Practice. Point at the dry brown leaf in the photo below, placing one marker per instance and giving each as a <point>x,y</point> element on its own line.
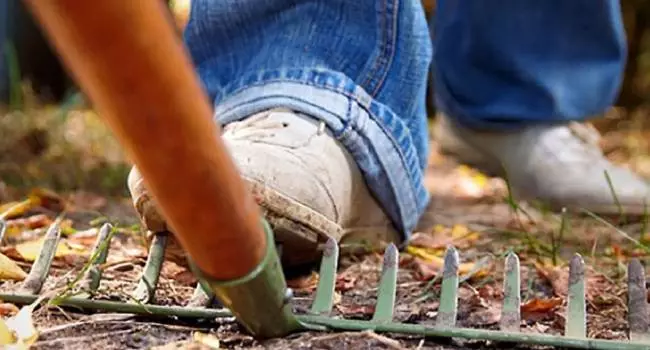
<point>345,282</point>
<point>45,198</point>
<point>357,310</point>
<point>535,308</point>
<point>557,276</point>
<point>85,237</point>
<point>440,237</point>
<point>8,309</point>
<point>17,226</point>
<point>178,273</point>
<point>304,283</point>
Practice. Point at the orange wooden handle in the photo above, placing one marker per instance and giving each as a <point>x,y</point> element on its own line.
<point>128,59</point>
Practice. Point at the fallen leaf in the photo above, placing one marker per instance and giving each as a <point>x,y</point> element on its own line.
<point>6,335</point>
<point>209,340</point>
<point>20,328</point>
<point>8,309</point>
<point>9,270</point>
<point>345,282</point>
<point>178,273</point>
<point>441,237</point>
<point>15,209</point>
<point>29,251</point>
<point>485,316</point>
<point>429,265</point>
<point>539,308</point>
<point>471,183</point>
<point>356,310</point>
<point>85,237</point>
<point>48,199</point>
<point>16,226</point>
<point>304,283</point>
<point>557,276</point>
<point>427,240</point>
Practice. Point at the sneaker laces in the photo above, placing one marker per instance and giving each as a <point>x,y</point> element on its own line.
<point>256,127</point>
<point>261,128</point>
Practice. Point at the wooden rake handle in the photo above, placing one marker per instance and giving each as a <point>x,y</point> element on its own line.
<point>128,59</point>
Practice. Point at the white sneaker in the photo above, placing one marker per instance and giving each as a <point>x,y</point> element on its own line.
<point>560,165</point>
<point>307,184</point>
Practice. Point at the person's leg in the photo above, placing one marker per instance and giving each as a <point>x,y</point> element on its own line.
<point>323,108</point>
<point>511,78</point>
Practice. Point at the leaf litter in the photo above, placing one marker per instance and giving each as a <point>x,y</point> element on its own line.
<point>468,210</point>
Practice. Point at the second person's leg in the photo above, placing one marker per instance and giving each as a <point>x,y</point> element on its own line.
<point>512,76</point>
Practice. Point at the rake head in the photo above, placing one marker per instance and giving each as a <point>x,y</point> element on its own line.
<point>319,316</point>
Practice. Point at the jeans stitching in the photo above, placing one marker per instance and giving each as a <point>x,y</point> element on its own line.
<point>377,74</point>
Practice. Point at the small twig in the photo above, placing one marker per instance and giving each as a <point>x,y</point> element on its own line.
<point>644,223</point>
<point>619,231</point>
<point>621,212</point>
<point>556,242</point>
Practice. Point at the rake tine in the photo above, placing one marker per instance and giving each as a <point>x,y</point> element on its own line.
<point>510,315</point>
<point>387,286</point>
<point>200,298</point>
<point>576,324</point>
<point>146,288</point>
<point>637,302</point>
<point>3,230</point>
<point>38,273</point>
<point>324,298</point>
<point>90,281</point>
<point>447,311</point>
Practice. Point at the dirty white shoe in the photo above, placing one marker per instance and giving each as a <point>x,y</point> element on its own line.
<point>559,164</point>
<point>307,184</point>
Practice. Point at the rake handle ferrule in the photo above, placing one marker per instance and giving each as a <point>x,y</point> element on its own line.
<point>258,300</point>
<point>129,60</point>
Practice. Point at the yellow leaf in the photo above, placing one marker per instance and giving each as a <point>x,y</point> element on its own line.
<point>29,250</point>
<point>437,261</point>
<point>22,324</point>
<point>6,335</point>
<point>13,209</point>
<point>9,270</point>
<point>208,340</point>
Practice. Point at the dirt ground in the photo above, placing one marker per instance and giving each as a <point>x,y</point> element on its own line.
<point>468,210</point>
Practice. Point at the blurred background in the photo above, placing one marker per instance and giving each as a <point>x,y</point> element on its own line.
<point>50,137</point>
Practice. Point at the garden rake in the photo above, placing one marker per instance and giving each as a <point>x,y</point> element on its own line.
<point>127,57</point>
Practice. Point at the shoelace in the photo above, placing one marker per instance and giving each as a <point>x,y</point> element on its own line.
<point>259,126</point>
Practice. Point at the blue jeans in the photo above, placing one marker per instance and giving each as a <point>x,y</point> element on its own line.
<point>362,68</point>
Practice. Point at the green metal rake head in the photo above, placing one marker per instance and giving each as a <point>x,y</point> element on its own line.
<point>319,316</point>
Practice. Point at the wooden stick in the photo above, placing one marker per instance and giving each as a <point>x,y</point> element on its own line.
<point>128,59</point>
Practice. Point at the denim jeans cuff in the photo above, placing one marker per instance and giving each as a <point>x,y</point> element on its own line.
<point>376,138</point>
